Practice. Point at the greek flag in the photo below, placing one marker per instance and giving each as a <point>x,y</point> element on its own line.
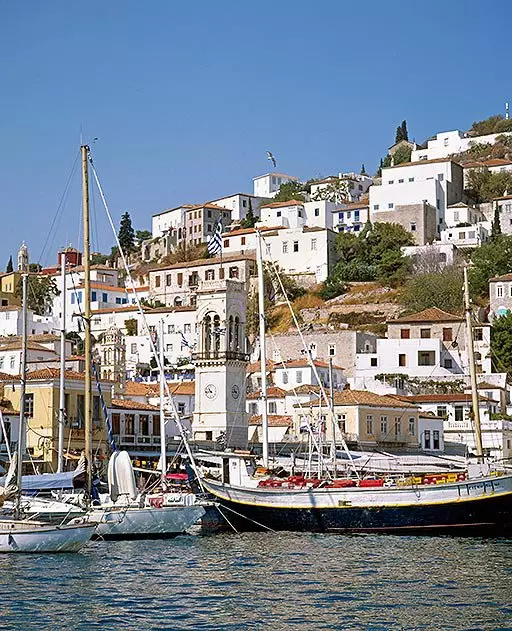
<point>215,242</point>
<point>184,341</point>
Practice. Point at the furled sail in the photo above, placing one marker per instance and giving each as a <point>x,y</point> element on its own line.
<point>121,478</point>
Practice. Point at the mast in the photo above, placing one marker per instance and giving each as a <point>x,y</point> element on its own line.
<point>333,422</point>
<point>62,399</point>
<point>263,354</point>
<point>22,428</point>
<point>472,370</point>
<point>163,448</point>
<point>84,149</point>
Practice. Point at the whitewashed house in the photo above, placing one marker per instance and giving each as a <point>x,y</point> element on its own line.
<point>448,143</point>
<point>269,184</point>
<point>351,217</point>
<point>239,204</point>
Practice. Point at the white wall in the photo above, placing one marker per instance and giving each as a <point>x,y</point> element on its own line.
<point>173,218</point>
<point>268,185</point>
<point>449,142</point>
<point>466,237</point>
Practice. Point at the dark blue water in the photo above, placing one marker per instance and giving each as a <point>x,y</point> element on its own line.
<point>265,581</point>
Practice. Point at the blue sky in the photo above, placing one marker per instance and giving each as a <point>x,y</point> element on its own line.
<point>186,98</point>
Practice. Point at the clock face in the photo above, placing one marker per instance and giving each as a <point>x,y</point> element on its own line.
<point>210,391</point>
<point>235,392</point>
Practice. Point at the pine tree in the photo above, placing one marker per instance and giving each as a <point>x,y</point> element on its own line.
<point>10,266</point>
<point>250,219</point>
<point>363,170</point>
<point>126,234</point>
<point>496,224</point>
<point>405,135</point>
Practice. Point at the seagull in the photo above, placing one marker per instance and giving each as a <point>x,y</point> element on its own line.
<point>270,156</point>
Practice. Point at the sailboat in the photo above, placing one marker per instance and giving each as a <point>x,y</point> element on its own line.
<point>125,513</point>
<point>480,503</point>
<point>21,535</point>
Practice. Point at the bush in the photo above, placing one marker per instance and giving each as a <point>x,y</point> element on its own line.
<point>435,289</point>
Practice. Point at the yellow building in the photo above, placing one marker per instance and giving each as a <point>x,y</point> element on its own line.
<point>8,284</point>
<point>42,412</point>
<point>363,417</point>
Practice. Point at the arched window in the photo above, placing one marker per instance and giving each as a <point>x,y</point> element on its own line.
<point>207,334</point>
<point>236,339</point>
<point>216,334</point>
<point>231,334</point>
<point>178,301</point>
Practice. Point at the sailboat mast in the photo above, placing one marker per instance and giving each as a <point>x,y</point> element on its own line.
<point>22,430</point>
<point>87,316</point>
<point>333,422</point>
<point>263,354</point>
<point>472,370</point>
<point>62,399</point>
<point>163,447</point>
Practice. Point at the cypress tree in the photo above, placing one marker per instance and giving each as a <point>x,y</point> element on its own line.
<point>10,266</point>
<point>399,134</point>
<point>126,233</point>
<point>496,224</point>
<point>405,135</point>
<point>363,170</point>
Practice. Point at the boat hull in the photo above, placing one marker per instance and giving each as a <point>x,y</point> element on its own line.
<point>480,507</point>
<point>24,538</point>
<point>145,523</point>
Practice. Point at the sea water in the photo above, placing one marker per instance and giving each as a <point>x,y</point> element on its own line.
<point>264,581</point>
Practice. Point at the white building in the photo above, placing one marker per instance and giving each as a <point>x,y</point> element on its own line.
<point>356,185</point>
<point>11,322</point>
<point>239,204</point>
<point>448,143</point>
<point>168,220</point>
<point>466,236</point>
<point>463,213</point>
<point>494,165</point>
<point>293,374</point>
<point>438,183</point>
<point>268,185</point>
<point>459,426</point>
<point>505,207</point>
<point>351,217</point>
<point>432,257</point>
<point>295,213</point>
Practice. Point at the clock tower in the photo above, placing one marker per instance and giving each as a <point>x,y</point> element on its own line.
<point>221,363</point>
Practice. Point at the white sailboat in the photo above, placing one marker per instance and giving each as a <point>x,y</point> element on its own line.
<point>20,535</point>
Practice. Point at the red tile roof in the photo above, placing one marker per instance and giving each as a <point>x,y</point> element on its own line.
<point>273,392</point>
<point>363,397</point>
<point>498,278</point>
<point>256,366</point>
<point>303,363</point>
<point>432,314</point>
<point>458,397</point>
<point>291,202</point>
<point>31,346</point>
<point>274,420</point>
<point>242,231</point>
<point>127,404</point>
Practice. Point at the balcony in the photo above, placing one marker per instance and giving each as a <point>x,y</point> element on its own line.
<point>220,356</point>
<point>138,441</point>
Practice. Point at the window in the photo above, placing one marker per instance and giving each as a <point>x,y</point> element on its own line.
<point>446,142</point>
<point>93,296</point>
<point>332,350</point>
<point>317,212</point>
<point>390,205</point>
<point>413,227</point>
<point>373,361</point>
<point>438,203</point>
<point>405,334</point>
<point>13,359</point>
<point>440,177</point>
<point>435,439</point>
<point>349,214</point>
<point>369,424</point>
<point>278,214</point>
<point>459,413</point>
<point>402,359</point>
<point>456,216</point>
<point>356,215</point>
<point>471,234</point>
<point>425,334</point>
<point>479,334</point>
<point>1,363</point>
<point>499,291</point>
<point>375,207</point>
<point>285,247</point>
<point>412,426</point>
<point>398,426</point>
<point>340,216</point>
<point>272,407</point>
<point>384,425</point>
<point>391,182</point>
<point>357,228</point>
<point>168,348</point>
<point>209,214</point>
<point>118,301</point>
<point>72,299</point>
<point>210,274</point>
<point>295,246</point>
<point>253,409</point>
<point>342,422</point>
<point>242,241</point>
<point>208,227</point>
<point>411,179</point>
<point>233,272</point>
<point>133,348</point>
<point>400,181</point>
<point>226,243</point>
<point>298,376</point>
<point>447,334</point>
<point>442,410</point>
<point>313,244</point>
<point>29,405</point>
<point>426,439</point>
<point>285,377</point>
<point>187,328</point>
<point>180,278</point>
<point>221,273</point>
<point>448,363</point>
<point>267,248</point>
<point>426,358</point>
<point>181,409</point>
<point>299,213</point>
<point>157,281</point>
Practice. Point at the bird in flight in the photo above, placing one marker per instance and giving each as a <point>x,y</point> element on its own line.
<point>270,156</point>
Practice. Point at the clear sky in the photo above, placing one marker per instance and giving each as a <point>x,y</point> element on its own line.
<point>186,97</point>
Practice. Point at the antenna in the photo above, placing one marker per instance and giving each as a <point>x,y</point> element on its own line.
<point>506,110</point>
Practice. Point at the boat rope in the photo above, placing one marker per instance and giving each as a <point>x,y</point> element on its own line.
<point>224,517</point>
<point>249,519</point>
<point>104,408</point>
<point>309,358</point>
<point>152,345</point>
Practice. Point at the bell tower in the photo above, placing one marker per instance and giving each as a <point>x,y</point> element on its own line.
<point>221,363</point>
<point>23,265</point>
<point>112,355</point>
